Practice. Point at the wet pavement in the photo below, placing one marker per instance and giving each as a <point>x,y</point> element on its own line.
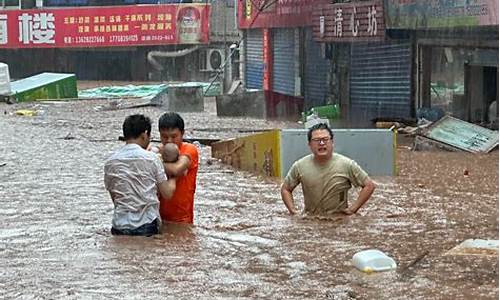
<point>55,219</point>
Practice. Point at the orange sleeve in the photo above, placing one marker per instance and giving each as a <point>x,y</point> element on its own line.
<point>191,151</point>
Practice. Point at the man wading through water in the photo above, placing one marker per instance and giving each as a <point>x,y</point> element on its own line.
<point>180,208</point>
<point>133,177</point>
<point>326,178</point>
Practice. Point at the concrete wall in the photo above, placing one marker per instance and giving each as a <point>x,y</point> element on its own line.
<point>247,104</point>
<point>373,149</point>
<point>185,99</point>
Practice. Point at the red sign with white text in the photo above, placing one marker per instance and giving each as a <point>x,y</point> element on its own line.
<point>105,26</point>
<point>276,13</point>
<point>266,55</point>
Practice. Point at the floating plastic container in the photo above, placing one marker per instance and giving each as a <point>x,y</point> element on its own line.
<point>5,88</point>
<point>373,260</point>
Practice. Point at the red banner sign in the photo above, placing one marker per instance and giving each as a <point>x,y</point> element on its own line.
<point>276,13</point>
<point>349,22</point>
<point>104,26</point>
<point>266,55</point>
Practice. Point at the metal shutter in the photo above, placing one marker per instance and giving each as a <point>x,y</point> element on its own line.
<point>380,81</point>
<point>284,61</point>
<point>316,72</point>
<point>254,59</point>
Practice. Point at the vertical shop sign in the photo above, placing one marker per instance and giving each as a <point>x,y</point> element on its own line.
<point>266,48</point>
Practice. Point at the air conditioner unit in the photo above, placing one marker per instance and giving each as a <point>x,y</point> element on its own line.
<point>214,59</point>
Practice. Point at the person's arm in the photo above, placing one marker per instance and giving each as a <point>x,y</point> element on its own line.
<point>179,167</point>
<point>365,194</point>
<point>287,197</point>
<point>167,188</point>
<point>289,184</point>
<point>107,184</point>
<point>166,184</point>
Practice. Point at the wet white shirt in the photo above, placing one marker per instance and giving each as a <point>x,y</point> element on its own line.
<point>132,176</point>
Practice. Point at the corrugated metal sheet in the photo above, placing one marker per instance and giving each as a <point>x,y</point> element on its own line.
<point>254,59</point>
<point>284,61</point>
<point>463,135</point>
<point>316,70</point>
<point>380,80</point>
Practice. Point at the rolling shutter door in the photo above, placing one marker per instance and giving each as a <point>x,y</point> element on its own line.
<point>380,80</point>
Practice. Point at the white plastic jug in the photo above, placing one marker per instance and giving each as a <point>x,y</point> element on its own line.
<point>4,79</point>
<point>373,260</point>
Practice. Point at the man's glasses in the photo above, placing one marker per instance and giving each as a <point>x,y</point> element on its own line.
<point>321,140</point>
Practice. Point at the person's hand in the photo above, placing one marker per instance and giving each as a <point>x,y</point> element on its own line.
<point>153,148</point>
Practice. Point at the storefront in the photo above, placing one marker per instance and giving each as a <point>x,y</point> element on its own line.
<point>285,56</point>
<point>376,81</point>
<point>456,49</point>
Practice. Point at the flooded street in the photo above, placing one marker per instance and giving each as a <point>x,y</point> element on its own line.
<point>56,216</point>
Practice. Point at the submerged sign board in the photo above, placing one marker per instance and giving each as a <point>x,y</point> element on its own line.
<point>132,25</point>
<point>463,135</point>
<point>417,14</point>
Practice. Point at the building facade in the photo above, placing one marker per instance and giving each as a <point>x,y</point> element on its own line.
<point>280,56</point>
<point>376,59</point>
<point>118,40</point>
<point>371,77</point>
<point>455,54</point>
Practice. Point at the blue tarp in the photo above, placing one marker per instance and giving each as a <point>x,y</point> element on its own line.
<point>144,91</point>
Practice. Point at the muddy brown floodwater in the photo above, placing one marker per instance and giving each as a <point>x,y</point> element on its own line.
<point>55,218</point>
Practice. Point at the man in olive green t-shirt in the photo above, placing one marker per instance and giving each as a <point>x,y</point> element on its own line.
<point>326,178</point>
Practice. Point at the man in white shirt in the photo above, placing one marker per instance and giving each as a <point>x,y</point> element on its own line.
<point>133,177</point>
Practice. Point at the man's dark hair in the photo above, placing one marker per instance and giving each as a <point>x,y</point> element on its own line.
<point>135,125</point>
<point>318,127</point>
<point>171,120</point>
